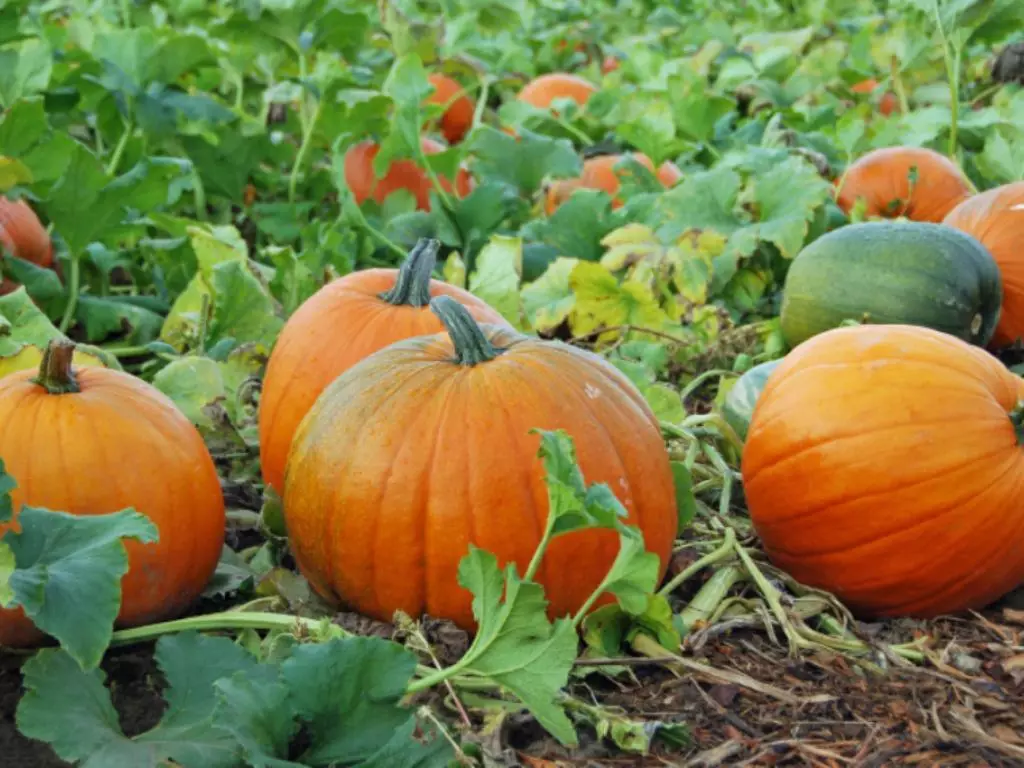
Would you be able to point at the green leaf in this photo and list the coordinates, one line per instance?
(27, 324)
(348, 693)
(523, 163)
(7, 484)
(634, 574)
(67, 574)
(577, 227)
(549, 300)
(515, 645)
(571, 504)
(243, 308)
(25, 70)
(686, 502)
(1002, 160)
(71, 710)
(193, 383)
(706, 200)
(252, 708)
(496, 278)
(786, 198)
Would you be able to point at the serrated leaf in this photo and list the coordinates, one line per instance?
(67, 574)
(578, 226)
(706, 200)
(522, 162)
(193, 383)
(787, 197)
(243, 308)
(634, 574)
(603, 302)
(515, 645)
(25, 70)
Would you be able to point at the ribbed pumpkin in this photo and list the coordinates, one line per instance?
(23, 235)
(996, 219)
(426, 447)
(883, 463)
(883, 178)
(599, 173)
(345, 321)
(401, 174)
(542, 91)
(92, 440)
(458, 115)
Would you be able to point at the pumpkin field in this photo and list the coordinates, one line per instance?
(423, 383)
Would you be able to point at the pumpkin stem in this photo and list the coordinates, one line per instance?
(1017, 419)
(55, 373)
(471, 346)
(412, 286)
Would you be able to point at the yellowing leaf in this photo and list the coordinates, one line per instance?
(499, 269)
(549, 299)
(29, 357)
(455, 270)
(603, 302)
(12, 173)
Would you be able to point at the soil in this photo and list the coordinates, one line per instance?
(965, 707)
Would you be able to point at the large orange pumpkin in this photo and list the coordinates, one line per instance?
(883, 463)
(599, 173)
(345, 321)
(426, 447)
(885, 179)
(401, 174)
(996, 219)
(542, 91)
(22, 235)
(458, 115)
(92, 440)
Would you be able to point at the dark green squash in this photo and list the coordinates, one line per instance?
(893, 272)
(738, 406)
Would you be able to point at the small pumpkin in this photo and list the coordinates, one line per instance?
(887, 104)
(22, 235)
(599, 173)
(609, 64)
(913, 182)
(884, 464)
(458, 115)
(542, 91)
(401, 174)
(93, 440)
(345, 321)
(425, 448)
(996, 219)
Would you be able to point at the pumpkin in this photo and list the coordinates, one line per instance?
(542, 91)
(401, 174)
(886, 105)
(599, 173)
(458, 115)
(338, 326)
(22, 235)
(426, 447)
(883, 463)
(919, 184)
(996, 219)
(93, 440)
(609, 64)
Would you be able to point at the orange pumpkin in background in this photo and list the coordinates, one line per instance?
(401, 174)
(886, 105)
(22, 235)
(996, 219)
(883, 178)
(458, 116)
(599, 173)
(883, 463)
(90, 441)
(344, 322)
(425, 448)
(542, 91)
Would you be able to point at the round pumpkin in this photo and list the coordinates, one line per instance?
(883, 463)
(599, 173)
(22, 235)
(542, 91)
(90, 441)
(345, 321)
(458, 115)
(919, 184)
(401, 174)
(996, 219)
(609, 64)
(426, 447)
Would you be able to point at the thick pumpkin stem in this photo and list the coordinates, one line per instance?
(412, 286)
(1017, 419)
(471, 346)
(55, 373)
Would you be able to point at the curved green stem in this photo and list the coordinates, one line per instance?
(56, 375)
(74, 283)
(300, 158)
(435, 180)
(471, 346)
(725, 550)
(412, 286)
(115, 159)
